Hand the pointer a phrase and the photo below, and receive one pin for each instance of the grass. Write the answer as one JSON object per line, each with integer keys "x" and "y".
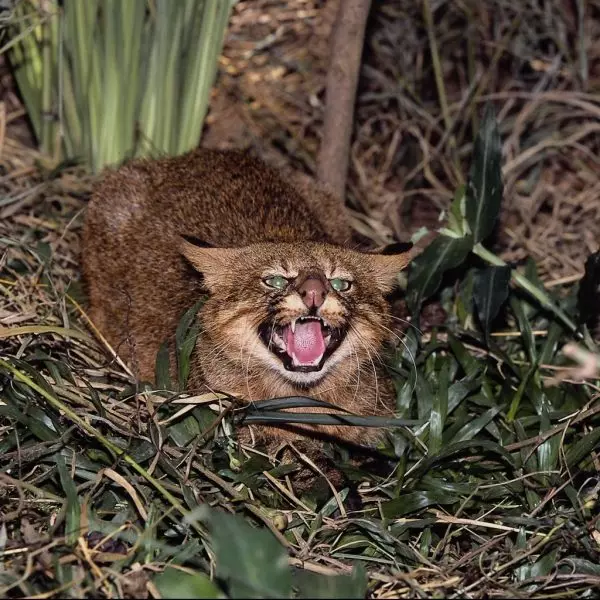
{"x": 108, "y": 482}
{"x": 113, "y": 488}
{"x": 104, "y": 81}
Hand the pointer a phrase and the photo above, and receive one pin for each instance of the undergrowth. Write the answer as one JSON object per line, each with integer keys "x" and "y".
{"x": 113, "y": 488}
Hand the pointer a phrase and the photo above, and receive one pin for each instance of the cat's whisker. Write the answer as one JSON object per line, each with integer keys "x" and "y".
{"x": 364, "y": 345}
{"x": 357, "y": 388}
{"x": 401, "y": 320}
{"x": 410, "y": 354}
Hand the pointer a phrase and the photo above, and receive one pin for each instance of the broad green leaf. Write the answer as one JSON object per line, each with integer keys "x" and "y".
{"x": 544, "y": 565}
{"x": 251, "y": 561}
{"x": 438, "y": 483}
{"x": 315, "y": 585}
{"x": 464, "y": 299}
{"x": 490, "y": 290}
{"x": 484, "y": 190}
{"x": 176, "y": 583}
{"x": 184, "y": 553}
{"x": 573, "y": 495}
{"x": 426, "y": 271}
{"x": 332, "y": 504}
{"x": 425, "y": 542}
{"x": 405, "y": 394}
{"x": 33, "y": 374}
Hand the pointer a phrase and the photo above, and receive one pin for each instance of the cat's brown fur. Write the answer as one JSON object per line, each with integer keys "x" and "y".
{"x": 140, "y": 279}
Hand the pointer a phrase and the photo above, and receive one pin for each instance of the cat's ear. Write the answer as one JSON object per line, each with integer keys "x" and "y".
{"x": 388, "y": 262}
{"x": 214, "y": 263}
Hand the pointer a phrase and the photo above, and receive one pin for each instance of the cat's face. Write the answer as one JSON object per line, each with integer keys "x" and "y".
{"x": 300, "y": 309}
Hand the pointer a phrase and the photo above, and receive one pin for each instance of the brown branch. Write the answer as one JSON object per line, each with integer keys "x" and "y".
{"x": 347, "y": 39}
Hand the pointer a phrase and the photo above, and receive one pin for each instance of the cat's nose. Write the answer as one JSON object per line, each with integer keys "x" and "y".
{"x": 312, "y": 292}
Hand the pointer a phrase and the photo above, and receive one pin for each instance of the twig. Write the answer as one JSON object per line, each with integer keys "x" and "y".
{"x": 437, "y": 68}
{"x": 346, "y": 49}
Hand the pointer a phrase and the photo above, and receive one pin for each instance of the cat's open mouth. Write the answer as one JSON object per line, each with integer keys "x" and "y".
{"x": 304, "y": 344}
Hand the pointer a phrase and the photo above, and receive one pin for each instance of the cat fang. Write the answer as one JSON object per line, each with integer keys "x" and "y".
{"x": 304, "y": 344}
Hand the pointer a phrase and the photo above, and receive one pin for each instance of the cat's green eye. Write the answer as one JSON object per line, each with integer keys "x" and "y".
{"x": 276, "y": 281}
{"x": 340, "y": 285}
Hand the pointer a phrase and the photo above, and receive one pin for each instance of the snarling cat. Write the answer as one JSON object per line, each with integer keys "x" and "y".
{"x": 291, "y": 309}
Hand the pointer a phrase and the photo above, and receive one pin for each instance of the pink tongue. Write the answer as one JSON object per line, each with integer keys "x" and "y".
{"x": 306, "y": 343}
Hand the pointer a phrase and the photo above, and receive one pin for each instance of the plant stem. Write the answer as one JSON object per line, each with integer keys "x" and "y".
{"x": 528, "y": 286}
{"x": 437, "y": 67}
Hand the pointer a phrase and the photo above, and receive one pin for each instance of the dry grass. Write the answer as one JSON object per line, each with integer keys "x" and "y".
{"x": 538, "y": 62}
{"x": 473, "y": 524}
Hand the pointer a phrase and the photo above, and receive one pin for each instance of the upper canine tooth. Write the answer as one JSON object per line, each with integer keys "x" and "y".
{"x": 293, "y": 325}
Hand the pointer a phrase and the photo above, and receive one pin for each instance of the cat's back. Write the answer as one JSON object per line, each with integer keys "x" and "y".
{"x": 225, "y": 198}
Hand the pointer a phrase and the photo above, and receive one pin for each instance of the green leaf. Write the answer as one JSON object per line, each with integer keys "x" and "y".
{"x": 272, "y": 417}
{"x": 162, "y": 368}
{"x": 185, "y": 341}
{"x": 519, "y": 308}
{"x": 472, "y": 428}
{"x": 548, "y": 451}
{"x": 456, "y": 213}
{"x": 490, "y": 291}
{"x": 516, "y": 400}
{"x": 549, "y": 350}
{"x": 425, "y": 275}
{"x": 470, "y": 365}
{"x": 581, "y": 565}
{"x": 459, "y": 390}
{"x": 315, "y": 585}
{"x": 250, "y": 560}
{"x": 540, "y": 568}
{"x": 458, "y": 447}
{"x": 439, "y": 410}
{"x": 183, "y": 432}
{"x": 414, "y": 502}
{"x": 584, "y": 447}
{"x": 484, "y": 190}
{"x": 73, "y": 508}
{"x": 34, "y": 424}
{"x": 176, "y": 583}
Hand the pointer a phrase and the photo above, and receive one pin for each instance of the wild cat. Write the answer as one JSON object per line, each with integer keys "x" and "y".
{"x": 291, "y": 308}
